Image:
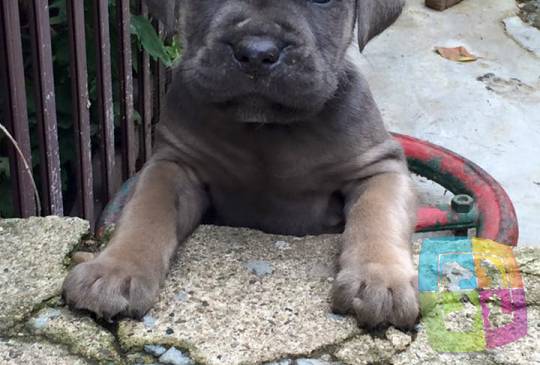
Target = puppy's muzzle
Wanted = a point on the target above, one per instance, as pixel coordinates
(257, 55)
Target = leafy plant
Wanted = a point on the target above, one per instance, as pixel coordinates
(144, 37)
(152, 44)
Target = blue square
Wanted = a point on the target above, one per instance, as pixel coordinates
(446, 264)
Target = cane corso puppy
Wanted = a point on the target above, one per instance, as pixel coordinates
(267, 125)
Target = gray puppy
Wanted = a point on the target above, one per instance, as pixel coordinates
(267, 125)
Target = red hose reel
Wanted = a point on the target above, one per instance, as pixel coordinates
(479, 201)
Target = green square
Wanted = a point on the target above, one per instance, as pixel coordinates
(436, 307)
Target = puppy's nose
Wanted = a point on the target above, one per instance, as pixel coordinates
(257, 54)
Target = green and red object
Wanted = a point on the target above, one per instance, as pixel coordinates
(490, 210)
(479, 200)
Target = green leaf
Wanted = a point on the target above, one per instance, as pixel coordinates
(174, 51)
(145, 32)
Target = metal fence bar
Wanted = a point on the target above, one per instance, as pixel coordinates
(151, 79)
(126, 89)
(104, 94)
(145, 98)
(81, 115)
(160, 78)
(16, 117)
(51, 181)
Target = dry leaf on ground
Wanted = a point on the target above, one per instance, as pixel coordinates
(457, 54)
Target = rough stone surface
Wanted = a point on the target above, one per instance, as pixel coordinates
(215, 310)
(262, 315)
(366, 350)
(524, 351)
(32, 262)
(80, 334)
(21, 353)
(222, 312)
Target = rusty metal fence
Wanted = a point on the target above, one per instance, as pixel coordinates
(143, 93)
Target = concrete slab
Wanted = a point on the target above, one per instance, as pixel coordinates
(238, 296)
(32, 262)
(488, 110)
(219, 311)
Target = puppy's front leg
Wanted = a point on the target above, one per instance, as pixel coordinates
(167, 205)
(377, 279)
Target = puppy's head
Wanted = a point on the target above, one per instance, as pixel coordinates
(269, 61)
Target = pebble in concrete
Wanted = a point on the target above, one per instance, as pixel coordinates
(155, 350)
(175, 357)
(149, 321)
(259, 267)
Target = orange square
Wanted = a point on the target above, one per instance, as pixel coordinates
(495, 265)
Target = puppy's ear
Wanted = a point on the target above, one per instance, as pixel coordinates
(374, 16)
(166, 11)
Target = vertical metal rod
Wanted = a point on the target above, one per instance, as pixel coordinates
(160, 79)
(126, 89)
(81, 115)
(16, 118)
(104, 95)
(145, 97)
(51, 181)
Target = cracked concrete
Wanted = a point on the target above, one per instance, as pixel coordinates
(215, 309)
(80, 334)
(32, 263)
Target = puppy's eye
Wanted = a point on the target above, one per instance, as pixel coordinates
(320, 2)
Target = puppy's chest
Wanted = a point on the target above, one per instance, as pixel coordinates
(274, 162)
(279, 183)
(273, 170)
(278, 190)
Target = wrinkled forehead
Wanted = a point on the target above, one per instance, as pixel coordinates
(263, 5)
(296, 14)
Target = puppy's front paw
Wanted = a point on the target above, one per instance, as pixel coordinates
(377, 295)
(110, 287)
